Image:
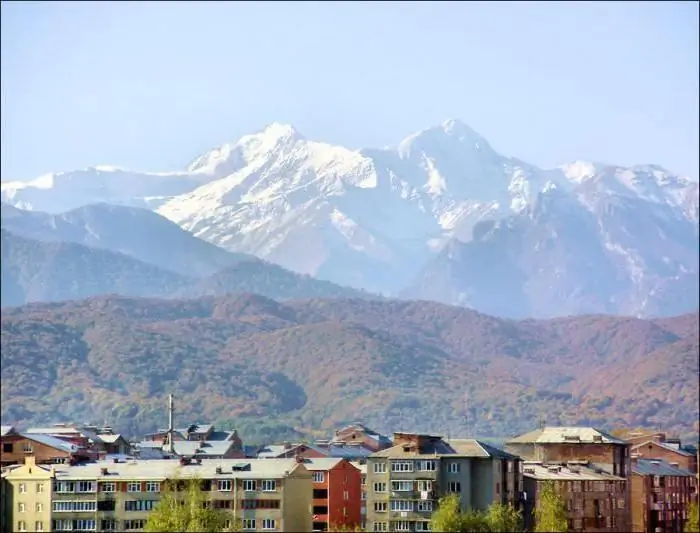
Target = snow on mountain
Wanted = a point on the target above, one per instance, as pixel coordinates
(365, 218)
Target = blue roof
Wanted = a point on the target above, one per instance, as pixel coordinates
(658, 467)
(52, 442)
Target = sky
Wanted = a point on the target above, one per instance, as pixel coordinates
(149, 86)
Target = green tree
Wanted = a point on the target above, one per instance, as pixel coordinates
(550, 513)
(503, 518)
(448, 516)
(189, 510)
(693, 523)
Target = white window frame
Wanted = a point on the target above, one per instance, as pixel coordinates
(380, 527)
(402, 525)
(452, 486)
(133, 486)
(425, 485)
(402, 486)
(380, 468)
(379, 486)
(268, 485)
(250, 485)
(454, 467)
(380, 507)
(152, 486)
(85, 523)
(22, 488)
(318, 476)
(21, 526)
(84, 487)
(427, 465)
(63, 525)
(268, 524)
(109, 486)
(224, 485)
(39, 507)
(402, 466)
(405, 506)
(65, 487)
(39, 525)
(27, 447)
(22, 507)
(249, 523)
(40, 488)
(425, 506)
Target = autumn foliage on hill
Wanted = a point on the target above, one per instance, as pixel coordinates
(318, 363)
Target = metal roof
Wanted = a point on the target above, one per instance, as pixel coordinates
(565, 472)
(5, 430)
(658, 467)
(563, 434)
(665, 446)
(161, 469)
(476, 448)
(52, 442)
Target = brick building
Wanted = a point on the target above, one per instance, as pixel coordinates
(337, 493)
(670, 452)
(660, 496)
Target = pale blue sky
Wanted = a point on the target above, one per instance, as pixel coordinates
(151, 85)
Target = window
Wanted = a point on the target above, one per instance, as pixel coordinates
(40, 488)
(402, 466)
(38, 526)
(85, 525)
(64, 486)
(425, 486)
(152, 486)
(401, 505)
(422, 526)
(62, 525)
(22, 488)
(269, 485)
(346, 495)
(6, 447)
(455, 486)
(249, 523)
(402, 525)
(425, 506)
(268, 523)
(426, 465)
(133, 486)
(21, 526)
(454, 468)
(79, 506)
(364, 480)
(380, 526)
(318, 477)
(21, 507)
(86, 486)
(249, 485)
(401, 486)
(27, 447)
(510, 466)
(380, 468)
(224, 485)
(108, 487)
(139, 505)
(39, 507)
(131, 525)
(108, 525)
(379, 487)
(380, 507)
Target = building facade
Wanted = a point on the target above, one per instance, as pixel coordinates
(405, 482)
(660, 495)
(595, 500)
(272, 495)
(337, 489)
(45, 449)
(671, 453)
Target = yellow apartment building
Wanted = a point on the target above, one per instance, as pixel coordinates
(264, 494)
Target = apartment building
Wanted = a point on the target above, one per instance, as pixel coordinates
(359, 434)
(595, 500)
(272, 495)
(660, 496)
(670, 452)
(99, 440)
(362, 467)
(406, 481)
(337, 489)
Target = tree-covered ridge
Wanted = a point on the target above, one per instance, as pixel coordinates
(288, 368)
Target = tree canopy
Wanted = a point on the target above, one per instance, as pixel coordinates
(449, 516)
(550, 513)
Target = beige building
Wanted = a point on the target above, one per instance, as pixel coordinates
(405, 482)
(269, 494)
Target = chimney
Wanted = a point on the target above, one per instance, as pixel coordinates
(30, 460)
(104, 471)
(171, 428)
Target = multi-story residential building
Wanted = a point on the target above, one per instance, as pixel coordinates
(27, 497)
(660, 496)
(595, 500)
(273, 495)
(200, 442)
(405, 482)
(16, 447)
(337, 488)
(362, 467)
(671, 452)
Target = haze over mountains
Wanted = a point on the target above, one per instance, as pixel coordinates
(443, 216)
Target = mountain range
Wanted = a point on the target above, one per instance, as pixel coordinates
(252, 362)
(442, 216)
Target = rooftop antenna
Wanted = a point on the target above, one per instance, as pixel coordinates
(467, 415)
(542, 421)
(171, 429)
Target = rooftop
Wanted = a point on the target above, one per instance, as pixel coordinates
(6, 430)
(658, 467)
(160, 469)
(665, 446)
(52, 442)
(476, 448)
(323, 463)
(560, 435)
(566, 472)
